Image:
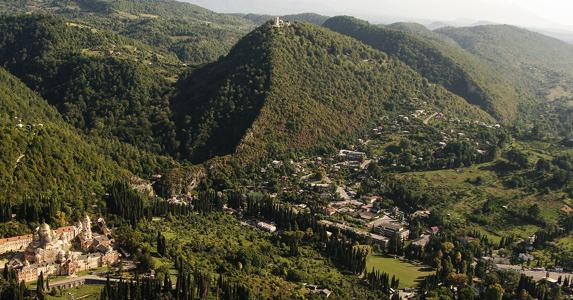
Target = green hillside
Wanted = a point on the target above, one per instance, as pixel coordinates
(532, 61)
(439, 61)
(298, 88)
(102, 83)
(539, 66)
(196, 35)
(41, 153)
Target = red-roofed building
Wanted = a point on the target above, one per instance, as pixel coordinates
(435, 229)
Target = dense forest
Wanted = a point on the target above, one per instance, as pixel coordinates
(194, 34)
(41, 153)
(109, 96)
(241, 162)
(439, 61)
(540, 67)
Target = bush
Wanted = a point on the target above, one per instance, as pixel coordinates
(296, 275)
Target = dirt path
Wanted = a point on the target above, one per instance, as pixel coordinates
(427, 120)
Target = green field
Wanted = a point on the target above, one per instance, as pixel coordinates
(86, 292)
(408, 273)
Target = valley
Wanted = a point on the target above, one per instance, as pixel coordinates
(248, 156)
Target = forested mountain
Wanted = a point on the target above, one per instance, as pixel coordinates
(532, 61)
(539, 66)
(196, 35)
(298, 88)
(41, 153)
(102, 83)
(439, 60)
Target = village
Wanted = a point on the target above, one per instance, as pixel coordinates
(332, 186)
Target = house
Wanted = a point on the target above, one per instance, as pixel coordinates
(379, 240)
(352, 155)
(346, 203)
(266, 227)
(229, 210)
(422, 241)
(329, 211)
(525, 257)
(320, 187)
(389, 227)
(567, 209)
(371, 200)
(314, 289)
(366, 215)
(376, 239)
(367, 207)
(421, 214)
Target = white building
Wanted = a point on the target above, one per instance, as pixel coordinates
(266, 227)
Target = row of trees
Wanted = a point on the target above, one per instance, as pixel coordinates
(351, 256)
(126, 202)
(133, 206)
(381, 281)
(190, 284)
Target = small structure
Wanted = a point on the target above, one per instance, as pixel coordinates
(329, 211)
(279, 23)
(422, 241)
(352, 155)
(435, 229)
(266, 227)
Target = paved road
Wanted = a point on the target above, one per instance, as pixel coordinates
(84, 278)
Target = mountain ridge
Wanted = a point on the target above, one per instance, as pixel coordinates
(441, 62)
(321, 99)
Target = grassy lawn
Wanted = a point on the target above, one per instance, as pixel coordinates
(86, 292)
(408, 274)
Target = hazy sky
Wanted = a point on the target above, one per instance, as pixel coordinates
(536, 13)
